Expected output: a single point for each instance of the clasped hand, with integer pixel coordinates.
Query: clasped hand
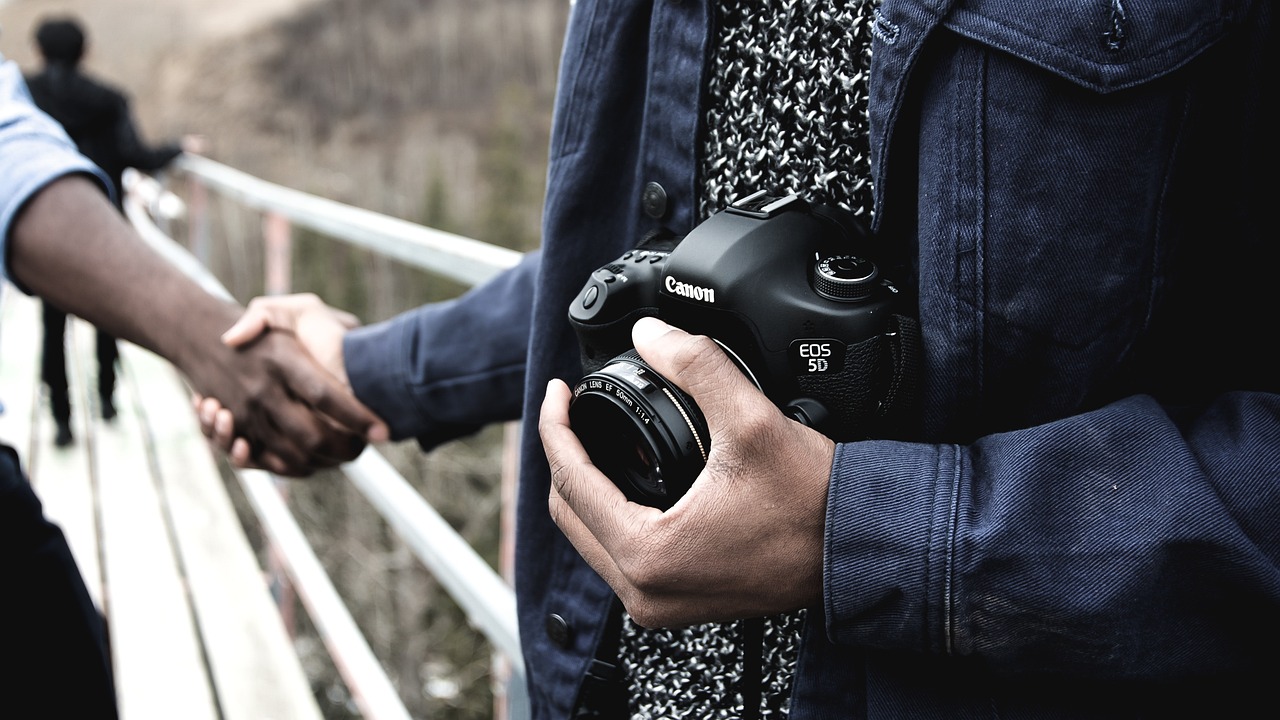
(745, 541)
(295, 319)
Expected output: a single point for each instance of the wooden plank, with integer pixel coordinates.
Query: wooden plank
(255, 669)
(19, 367)
(60, 475)
(158, 655)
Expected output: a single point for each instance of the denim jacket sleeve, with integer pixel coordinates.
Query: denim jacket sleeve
(1100, 493)
(1130, 545)
(445, 370)
(34, 151)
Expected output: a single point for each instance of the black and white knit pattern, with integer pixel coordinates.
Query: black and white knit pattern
(787, 102)
(696, 673)
(787, 111)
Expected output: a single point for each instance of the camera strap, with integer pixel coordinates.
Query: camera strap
(603, 695)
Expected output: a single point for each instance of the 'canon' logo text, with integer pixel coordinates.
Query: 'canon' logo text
(693, 292)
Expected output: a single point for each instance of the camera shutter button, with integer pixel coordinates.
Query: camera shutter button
(590, 297)
(846, 278)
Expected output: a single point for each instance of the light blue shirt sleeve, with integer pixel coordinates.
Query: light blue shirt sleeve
(34, 151)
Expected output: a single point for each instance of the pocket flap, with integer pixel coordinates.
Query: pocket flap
(1103, 45)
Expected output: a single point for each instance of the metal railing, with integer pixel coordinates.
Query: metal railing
(485, 597)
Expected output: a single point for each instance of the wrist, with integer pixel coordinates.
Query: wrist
(191, 340)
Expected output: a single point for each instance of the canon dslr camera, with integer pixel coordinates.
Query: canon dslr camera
(793, 295)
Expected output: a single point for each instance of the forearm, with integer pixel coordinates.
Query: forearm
(70, 246)
(443, 371)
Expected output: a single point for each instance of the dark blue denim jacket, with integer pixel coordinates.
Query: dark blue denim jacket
(1088, 524)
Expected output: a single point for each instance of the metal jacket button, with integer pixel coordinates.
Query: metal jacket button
(558, 630)
(654, 201)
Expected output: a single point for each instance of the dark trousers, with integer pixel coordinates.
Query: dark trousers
(53, 363)
(54, 661)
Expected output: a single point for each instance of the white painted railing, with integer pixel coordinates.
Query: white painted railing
(482, 593)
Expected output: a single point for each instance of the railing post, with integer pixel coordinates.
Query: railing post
(277, 234)
(277, 239)
(511, 696)
(198, 212)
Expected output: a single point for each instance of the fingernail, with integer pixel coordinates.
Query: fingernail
(648, 328)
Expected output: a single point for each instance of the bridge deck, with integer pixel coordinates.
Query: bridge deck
(194, 631)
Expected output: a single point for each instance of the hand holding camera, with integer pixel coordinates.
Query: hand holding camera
(802, 339)
(756, 514)
(793, 293)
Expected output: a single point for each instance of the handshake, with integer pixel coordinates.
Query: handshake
(337, 426)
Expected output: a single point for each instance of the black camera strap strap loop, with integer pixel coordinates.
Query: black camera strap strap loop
(603, 695)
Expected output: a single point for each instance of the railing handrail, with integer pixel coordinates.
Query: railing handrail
(484, 596)
(464, 259)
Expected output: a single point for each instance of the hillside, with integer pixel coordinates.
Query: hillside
(363, 101)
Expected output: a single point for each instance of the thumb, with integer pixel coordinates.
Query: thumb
(346, 319)
(251, 324)
(698, 366)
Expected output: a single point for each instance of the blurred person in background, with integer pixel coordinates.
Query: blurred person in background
(97, 117)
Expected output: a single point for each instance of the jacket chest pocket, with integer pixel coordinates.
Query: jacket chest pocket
(1047, 134)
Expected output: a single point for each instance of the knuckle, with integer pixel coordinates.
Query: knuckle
(695, 350)
(314, 440)
(255, 404)
(647, 612)
(556, 507)
(647, 570)
(698, 360)
(754, 422)
(641, 611)
(560, 471)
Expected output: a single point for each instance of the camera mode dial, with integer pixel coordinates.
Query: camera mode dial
(846, 278)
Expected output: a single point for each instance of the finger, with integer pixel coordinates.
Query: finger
(701, 368)
(275, 452)
(305, 442)
(241, 453)
(602, 508)
(319, 389)
(206, 414)
(348, 320)
(224, 429)
(303, 439)
(584, 542)
(251, 324)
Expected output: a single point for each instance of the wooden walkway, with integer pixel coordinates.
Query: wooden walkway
(195, 634)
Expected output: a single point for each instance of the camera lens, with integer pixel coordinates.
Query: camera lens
(640, 430)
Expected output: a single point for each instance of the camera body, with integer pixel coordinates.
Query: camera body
(792, 294)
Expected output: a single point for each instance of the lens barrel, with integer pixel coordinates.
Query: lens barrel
(641, 431)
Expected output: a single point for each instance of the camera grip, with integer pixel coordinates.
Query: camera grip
(876, 393)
